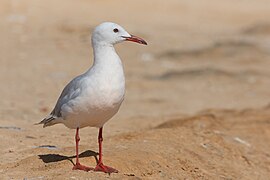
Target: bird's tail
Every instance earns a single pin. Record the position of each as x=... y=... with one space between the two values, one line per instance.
x=48 y=121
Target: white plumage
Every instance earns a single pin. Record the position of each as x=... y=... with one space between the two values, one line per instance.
x=94 y=97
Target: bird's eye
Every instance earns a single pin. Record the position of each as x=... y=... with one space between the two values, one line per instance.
x=115 y=30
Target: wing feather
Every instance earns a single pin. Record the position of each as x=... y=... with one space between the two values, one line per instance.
x=70 y=92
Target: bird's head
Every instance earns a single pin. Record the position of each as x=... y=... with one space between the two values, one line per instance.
x=111 y=33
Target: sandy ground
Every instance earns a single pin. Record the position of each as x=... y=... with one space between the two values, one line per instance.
x=197 y=99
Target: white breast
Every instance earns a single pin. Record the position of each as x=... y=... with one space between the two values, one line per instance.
x=102 y=94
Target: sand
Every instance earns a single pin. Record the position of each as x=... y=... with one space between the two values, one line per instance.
x=197 y=99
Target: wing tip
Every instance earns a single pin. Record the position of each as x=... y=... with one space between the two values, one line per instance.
x=47 y=121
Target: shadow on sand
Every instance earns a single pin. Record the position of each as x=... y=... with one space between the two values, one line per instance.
x=48 y=158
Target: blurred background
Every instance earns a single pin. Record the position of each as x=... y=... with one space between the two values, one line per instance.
x=202 y=55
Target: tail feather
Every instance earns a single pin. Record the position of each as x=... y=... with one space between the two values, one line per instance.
x=49 y=121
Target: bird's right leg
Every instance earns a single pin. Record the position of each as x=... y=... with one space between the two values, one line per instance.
x=78 y=166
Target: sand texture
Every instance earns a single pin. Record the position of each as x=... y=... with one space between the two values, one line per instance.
x=197 y=103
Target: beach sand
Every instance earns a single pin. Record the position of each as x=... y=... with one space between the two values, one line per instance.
x=197 y=101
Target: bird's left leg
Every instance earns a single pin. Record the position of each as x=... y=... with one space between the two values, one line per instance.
x=100 y=166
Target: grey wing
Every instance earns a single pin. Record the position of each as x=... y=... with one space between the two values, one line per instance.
x=71 y=91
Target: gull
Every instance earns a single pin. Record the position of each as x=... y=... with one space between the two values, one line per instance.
x=94 y=97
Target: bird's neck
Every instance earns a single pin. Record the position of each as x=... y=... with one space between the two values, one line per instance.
x=103 y=53
x=106 y=59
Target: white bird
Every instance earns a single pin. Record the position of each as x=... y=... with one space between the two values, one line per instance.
x=94 y=97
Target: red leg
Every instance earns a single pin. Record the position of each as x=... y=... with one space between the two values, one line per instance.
x=100 y=166
x=78 y=166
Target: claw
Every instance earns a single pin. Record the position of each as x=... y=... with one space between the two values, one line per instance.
x=82 y=167
x=106 y=169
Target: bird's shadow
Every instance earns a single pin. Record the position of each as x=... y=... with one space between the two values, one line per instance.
x=49 y=158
